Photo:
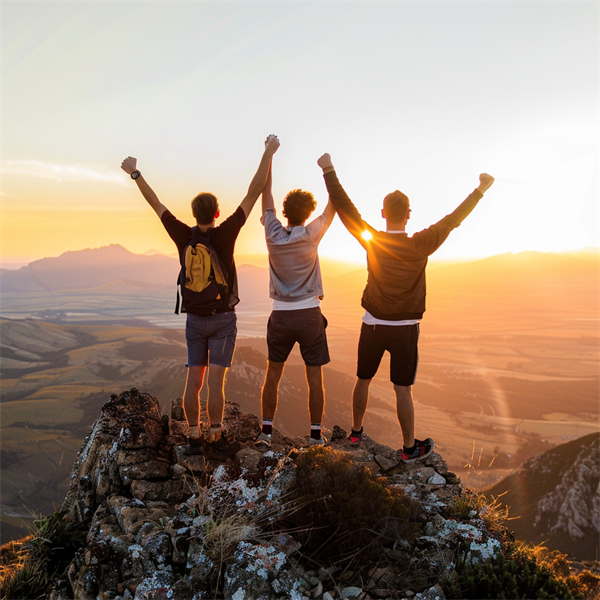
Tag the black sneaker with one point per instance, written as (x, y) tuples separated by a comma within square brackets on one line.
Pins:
[(422, 450), (355, 436), (223, 448), (195, 446)]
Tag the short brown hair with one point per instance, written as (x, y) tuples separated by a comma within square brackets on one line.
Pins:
[(298, 206), (204, 208), (396, 206)]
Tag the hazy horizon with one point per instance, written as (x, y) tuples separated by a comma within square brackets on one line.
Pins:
[(261, 260)]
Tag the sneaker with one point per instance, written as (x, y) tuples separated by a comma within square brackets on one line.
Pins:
[(355, 436), (263, 439), (223, 448), (423, 449), (195, 446), (314, 442)]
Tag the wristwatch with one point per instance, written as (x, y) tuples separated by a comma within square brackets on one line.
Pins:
[(135, 174)]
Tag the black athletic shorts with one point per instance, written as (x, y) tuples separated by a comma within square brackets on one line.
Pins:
[(305, 326), (401, 341)]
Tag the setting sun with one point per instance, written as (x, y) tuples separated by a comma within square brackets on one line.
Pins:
[(366, 235)]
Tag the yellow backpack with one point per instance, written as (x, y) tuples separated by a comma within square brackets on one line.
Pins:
[(203, 280)]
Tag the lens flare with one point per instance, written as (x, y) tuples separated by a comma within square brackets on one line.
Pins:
[(366, 235)]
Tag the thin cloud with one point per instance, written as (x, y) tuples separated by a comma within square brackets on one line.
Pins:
[(59, 173)]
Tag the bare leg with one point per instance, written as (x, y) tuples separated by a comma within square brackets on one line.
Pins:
[(360, 399), (406, 413), (316, 394), (216, 394), (270, 389), (191, 394)]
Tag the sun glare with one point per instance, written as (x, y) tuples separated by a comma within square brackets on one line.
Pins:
[(366, 235)]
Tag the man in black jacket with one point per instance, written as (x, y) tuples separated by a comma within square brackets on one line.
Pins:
[(394, 297)]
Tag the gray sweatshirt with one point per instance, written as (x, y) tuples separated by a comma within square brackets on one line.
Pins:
[(294, 268)]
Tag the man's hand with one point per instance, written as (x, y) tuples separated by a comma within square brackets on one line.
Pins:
[(129, 165), (271, 144), (325, 162), (485, 182), (257, 185)]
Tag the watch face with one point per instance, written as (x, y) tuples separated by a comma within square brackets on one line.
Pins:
[(135, 174)]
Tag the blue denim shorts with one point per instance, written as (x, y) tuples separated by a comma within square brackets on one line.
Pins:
[(210, 340)]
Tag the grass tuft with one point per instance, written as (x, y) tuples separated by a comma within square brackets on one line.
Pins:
[(33, 563)]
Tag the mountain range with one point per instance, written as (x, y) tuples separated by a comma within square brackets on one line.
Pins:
[(556, 497), (90, 268)]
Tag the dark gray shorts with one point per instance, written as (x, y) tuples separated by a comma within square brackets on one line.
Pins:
[(305, 326), (401, 341), (210, 339)]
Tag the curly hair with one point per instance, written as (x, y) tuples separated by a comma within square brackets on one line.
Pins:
[(396, 206), (298, 206), (204, 208)]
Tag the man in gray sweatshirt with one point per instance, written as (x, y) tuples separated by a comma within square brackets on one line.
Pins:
[(297, 290)]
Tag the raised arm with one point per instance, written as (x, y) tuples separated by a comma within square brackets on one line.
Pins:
[(340, 201), (260, 178), (329, 212), (129, 165), (430, 239), (267, 193)]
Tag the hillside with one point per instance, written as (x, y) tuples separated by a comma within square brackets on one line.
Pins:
[(146, 520), (508, 364), (56, 377), (556, 497)]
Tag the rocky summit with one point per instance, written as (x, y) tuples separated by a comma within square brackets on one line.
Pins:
[(161, 522)]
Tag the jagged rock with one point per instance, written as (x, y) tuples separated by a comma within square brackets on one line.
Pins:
[(557, 498), (260, 572), (179, 428), (149, 470), (249, 458), (351, 593), (337, 433), (433, 593), (177, 410), (574, 504), (156, 587), (167, 524), (200, 564), (160, 548), (171, 490), (385, 463)]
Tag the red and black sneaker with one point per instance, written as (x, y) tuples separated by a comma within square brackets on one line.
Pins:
[(422, 449), (355, 436)]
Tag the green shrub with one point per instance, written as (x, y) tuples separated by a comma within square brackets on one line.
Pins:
[(516, 573), (346, 509)]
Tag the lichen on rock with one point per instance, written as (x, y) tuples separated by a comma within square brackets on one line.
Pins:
[(162, 523)]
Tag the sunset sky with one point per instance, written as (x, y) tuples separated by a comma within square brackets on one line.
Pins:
[(417, 96)]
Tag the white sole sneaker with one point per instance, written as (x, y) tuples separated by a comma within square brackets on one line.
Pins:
[(263, 439), (320, 442)]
